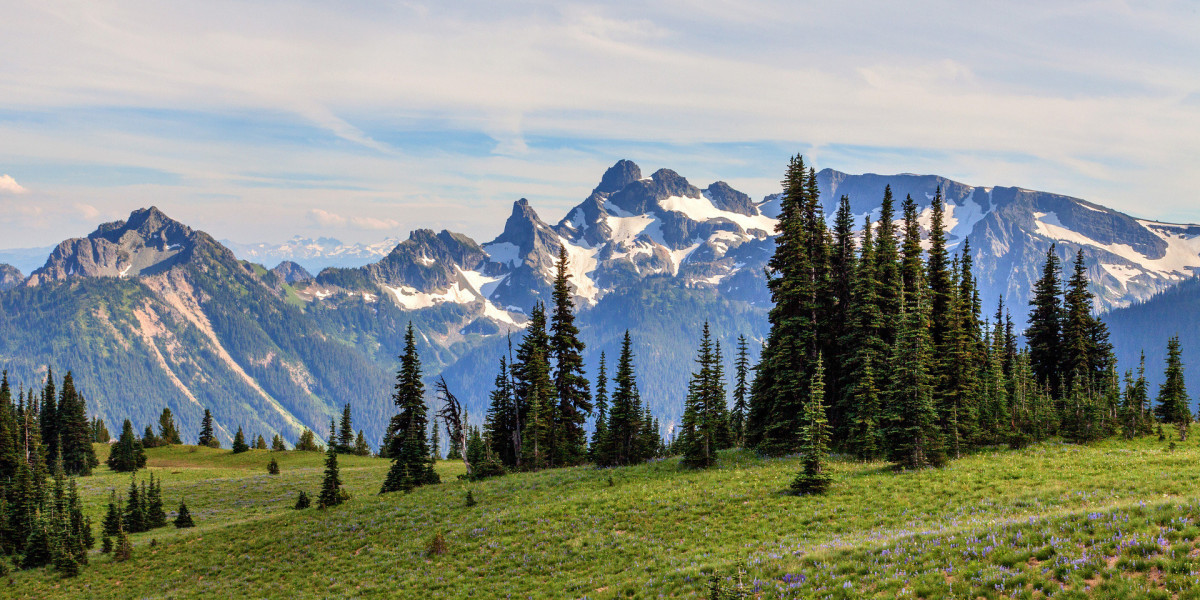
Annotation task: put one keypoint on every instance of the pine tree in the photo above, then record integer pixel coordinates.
(302, 501)
(1172, 394)
(167, 431)
(534, 391)
(798, 277)
(272, 466)
(149, 440)
(814, 477)
(135, 509)
(569, 445)
(345, 438)
(75, 430)
(705, 425)
(842, 266)
(409, 449)
(912, 434)
(307, 442)
(500, 418)
(1045, 326)
(114, 516)
(10, 456)
(601, 430)
(48, 419)
(331, 485)
(156, 516)
(361, 448)
(741, 389)
(435, 443)
(206, 431)
(277, 444)
(127, 454)
(183, 517)
(100, 433)
(261, 443)
(621, 443)
(239, 442)
(860, 395)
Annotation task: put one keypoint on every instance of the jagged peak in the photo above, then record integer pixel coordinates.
(621, 174)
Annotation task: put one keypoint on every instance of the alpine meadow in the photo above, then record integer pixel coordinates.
(758, 369)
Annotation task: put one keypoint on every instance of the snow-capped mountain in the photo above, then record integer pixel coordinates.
(313, 254)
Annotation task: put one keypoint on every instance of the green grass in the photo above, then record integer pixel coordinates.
(1115, 520)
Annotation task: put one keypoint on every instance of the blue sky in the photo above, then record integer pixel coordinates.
(256, 121)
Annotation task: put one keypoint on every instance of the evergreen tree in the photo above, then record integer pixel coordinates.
(302, 501)
(100, 433)
(1045, 326)
(569, 441)
(860, 395)
(331, 485)
(261, 443)
(156, 516)
(814, 477)
(48, 419)
(307, 442)
(167, 431)
(409, 449)
(345, 438)
(601, 430)
(272, 466)
(912, 434)
(435, 443)
(798, 277)
(239, 442)
(206, 431)
(10, 455)
(277, 444)
(113, 517)
(535, 392)
(149, 440)
(361, 448)
(622, 443)
(501, 418)
(127, 454)
(741, 390)
(75, 430)
(1172, 394)
(135, 509)
(183, 517)
(705, 424)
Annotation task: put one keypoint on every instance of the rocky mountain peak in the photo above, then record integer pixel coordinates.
(10, 277)
(291, 272)
(726, 198)
(618, 176)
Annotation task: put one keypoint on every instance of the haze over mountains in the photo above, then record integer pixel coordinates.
(149, 312)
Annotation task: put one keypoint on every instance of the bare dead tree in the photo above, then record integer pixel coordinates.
(454, 417)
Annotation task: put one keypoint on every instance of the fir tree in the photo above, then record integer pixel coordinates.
(10, 455)
(331, 485)
(535, 392)
(272, 466)
(361, 448)
(48, 419)
(75, 430)
(814, 477)
(601, 429)
(1045, 326)
(302, 501)
(239, 442)
(435, 443)
(277, 444)
(127, 454)
(167, 431)
(741, 389)
(912, 434)
(569, 442)
(704, 424)
(149, 440)
(345, 437)
(1172, 394)
(100, 434)
(156, 516)
(261, 443)
(307, 442)
(501, 417)
(206, 437)
(135, 509)
(124, 549)
(409, 449)
(183, 517)
(622, 441)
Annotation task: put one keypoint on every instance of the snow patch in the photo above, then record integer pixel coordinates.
(702, 209)
(504, 253)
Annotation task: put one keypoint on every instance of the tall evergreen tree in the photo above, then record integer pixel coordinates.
(167, 431)
(1045, 326)
(345, 437)
(699, 431)
(10, 455)
(501, 418)
(127, 454)
(331, 484)
(435, 443)
(75, 431)
(741, 390)
(239, 442)
(814, 477)
(1172, 394)
(622, 443)
(570, 381)
(409, 450)
(535, 392)
(206, 437)
(912, 433)
(601, 397)
(860, 405)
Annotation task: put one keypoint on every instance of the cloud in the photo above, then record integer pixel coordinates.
(8, 185)
(374, 224)
(87, 211)
(325, 218)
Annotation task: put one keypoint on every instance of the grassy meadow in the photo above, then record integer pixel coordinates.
(1114, 520)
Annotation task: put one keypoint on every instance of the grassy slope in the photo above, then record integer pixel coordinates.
(1117, 519)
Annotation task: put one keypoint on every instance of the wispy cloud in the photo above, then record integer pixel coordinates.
(446, 113)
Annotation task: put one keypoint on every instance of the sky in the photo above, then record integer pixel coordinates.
(257, 121)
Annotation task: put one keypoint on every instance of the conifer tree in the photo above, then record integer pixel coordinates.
(48, 419)
(535, 392)
(912, 434)
(345, 437)
(10, 455)
(570, 381)
(814, 477)
(261, 443)
(206, 437)
(149, 440)
(302, 501)
(889, 286)
(842, 266)
(167, 431)
(113, 517)
(272, 466)
(501, 417)
(100, 434)
(705, 424)
(741, 390)
(135, 509)
(601, 430)
(156, 516)
(435, 444)
(1045, 326)
(127, 454)
(307, 442)
(183, 517)
(75, 430)
(277, 444)
(622, 443)
(331, 485)
(239, 442)
(1172, 394)
(409, 449)
(361, 448)
(860, 388)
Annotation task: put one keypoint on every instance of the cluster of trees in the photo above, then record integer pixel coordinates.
(43, 524)
(405, 441)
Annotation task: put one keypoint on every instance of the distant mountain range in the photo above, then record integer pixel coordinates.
(149, 312)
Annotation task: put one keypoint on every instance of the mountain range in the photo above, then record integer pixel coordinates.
(148, 312)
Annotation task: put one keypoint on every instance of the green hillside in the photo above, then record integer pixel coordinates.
(1116, 519)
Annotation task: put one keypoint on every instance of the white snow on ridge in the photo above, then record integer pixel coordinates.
(581, 262)
(471, 287)
(504, 253)
(702, 209)
(1181, 258)
(626, 229)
